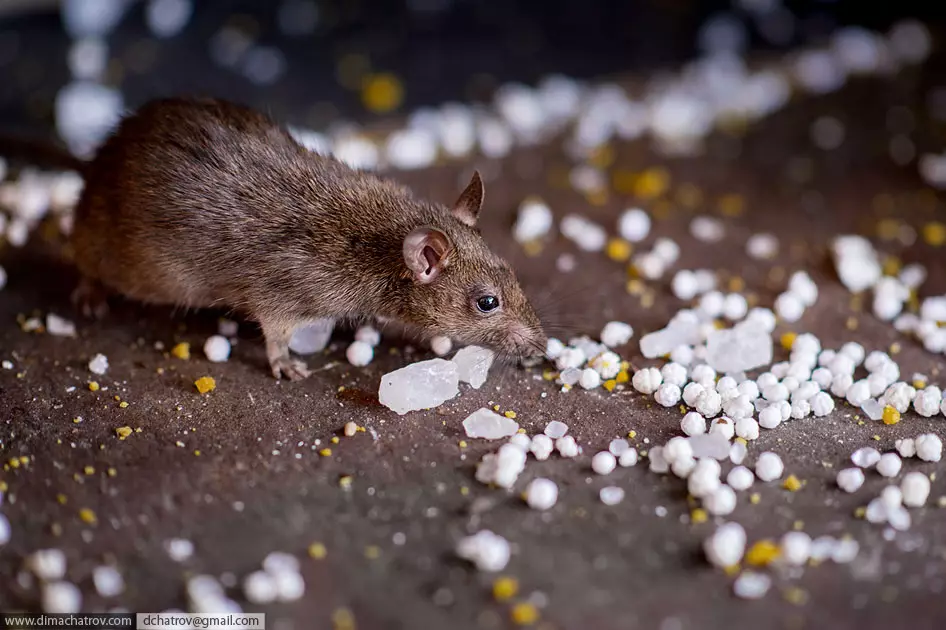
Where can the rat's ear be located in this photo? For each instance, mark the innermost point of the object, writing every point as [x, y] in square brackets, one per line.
[425, 252]
[467, 207]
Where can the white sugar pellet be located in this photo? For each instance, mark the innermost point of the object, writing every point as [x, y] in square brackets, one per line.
[217, 349]
[647, 380]
[3, 278]
[533, 221]
[5, 531]
[658, 463]
[906, 447]
[721, 501]
[770, 417]
[769, 466]
[634, 225]
[752, 585]
[684, 285]
[368, 335]
[889, 465]
[747, 428]
[667, 395]
[704, 478]
[567, 446]
[762, 246]
[677, 448]
[441, 345]
[280, 562]
[707, 229]
[61, 597]
[541, 446]
[290, 586]
[541, 494]
[521, 440]
[789, 307]
[821, 404]
[928, 401]
[259, 587]
[796, 548]
[359, 353]
[850, 479]
[803, 287]
[763, 317]
[589, 379]
[691, 393]
[724, 426]
[735, 307]
[709, 403]
[616, 334]
[554, 348]
[108, 581]
[488, 551]
[693, 424]
[98, 364]
[674, 373]
[915, 489]
[740, 478]
[556, 429]
[611, 495]
[603, 463]
[929, 447]
[726, 546]
[618, 446]
[179, 549]
[48, 565]
[628, 458]
[866, 457]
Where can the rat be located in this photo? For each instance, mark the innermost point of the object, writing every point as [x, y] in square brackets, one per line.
[200, 202]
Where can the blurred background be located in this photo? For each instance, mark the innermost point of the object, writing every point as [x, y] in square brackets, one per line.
[72, 66]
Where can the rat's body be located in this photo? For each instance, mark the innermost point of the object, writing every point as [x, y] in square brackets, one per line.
[202, 203]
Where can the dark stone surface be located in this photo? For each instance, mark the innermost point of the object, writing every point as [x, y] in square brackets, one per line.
[258, 485]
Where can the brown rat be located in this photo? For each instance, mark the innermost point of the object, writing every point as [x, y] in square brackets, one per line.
[204, 203]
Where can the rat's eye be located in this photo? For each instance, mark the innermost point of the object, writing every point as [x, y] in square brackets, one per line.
[487, 303]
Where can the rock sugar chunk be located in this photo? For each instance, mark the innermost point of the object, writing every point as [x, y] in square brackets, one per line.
[473, 364]
[421, 385]
[485, 423]
[741, 348]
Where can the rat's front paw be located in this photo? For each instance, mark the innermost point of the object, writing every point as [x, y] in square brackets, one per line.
[292, 369]
[91, 298]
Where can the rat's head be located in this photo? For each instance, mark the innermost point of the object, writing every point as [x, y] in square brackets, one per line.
[459, 288]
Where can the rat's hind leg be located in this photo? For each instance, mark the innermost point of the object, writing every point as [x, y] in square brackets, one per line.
[277, 335]
[91, 297]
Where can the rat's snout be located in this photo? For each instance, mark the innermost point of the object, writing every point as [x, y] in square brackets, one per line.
[528, 339]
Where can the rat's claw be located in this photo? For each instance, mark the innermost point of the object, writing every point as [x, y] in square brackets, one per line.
[292, 369]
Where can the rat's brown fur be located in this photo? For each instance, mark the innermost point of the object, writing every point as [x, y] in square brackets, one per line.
[202, 203]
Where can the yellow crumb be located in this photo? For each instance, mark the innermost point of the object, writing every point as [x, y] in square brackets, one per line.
[762, 553]
[891, 415]
[792, 484]
[345, 482]
[795, 595]
[93, 386]
[182, 350]
[205, 384]
[632, 434]
[335, 439]
[610, 384]
[934, 233]
[463, 444]
[123, 404]
[372, 552]
[61, 499]
[652, 183]
[510, 414]
[382, 93]
[619, 250]
[89, 470]
[895, 348]
[699, 515]
[112, 472]
[622, 377]
[860, 512]
[918, 384]
[325, 452]
[732, 205]
[317, 551]
[524, 614]
[788, 340]
[505, 588]
[755, 498]
[87, 516]
[343, 619]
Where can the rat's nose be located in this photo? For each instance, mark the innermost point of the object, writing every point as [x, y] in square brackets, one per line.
[529, 340]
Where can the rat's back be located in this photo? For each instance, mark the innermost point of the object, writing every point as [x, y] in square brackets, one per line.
[181, 197]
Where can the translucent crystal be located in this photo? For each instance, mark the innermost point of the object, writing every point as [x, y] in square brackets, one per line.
[739, 349]
[714, 445]
[311, 338]
[421, 385]
[489, 425]
[473, 364]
